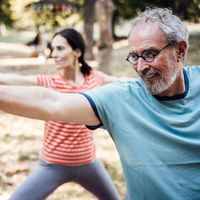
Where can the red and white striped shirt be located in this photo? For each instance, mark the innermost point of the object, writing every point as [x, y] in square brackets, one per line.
[68, 143]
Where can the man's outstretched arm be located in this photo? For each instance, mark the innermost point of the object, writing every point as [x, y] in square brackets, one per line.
[17, 79]
[45, 104]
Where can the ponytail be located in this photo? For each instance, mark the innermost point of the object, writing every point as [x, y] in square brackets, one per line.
[85, 68]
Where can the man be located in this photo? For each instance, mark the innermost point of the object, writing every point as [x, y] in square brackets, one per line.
[154, 120]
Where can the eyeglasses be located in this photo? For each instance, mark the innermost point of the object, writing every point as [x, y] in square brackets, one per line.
[147, 55]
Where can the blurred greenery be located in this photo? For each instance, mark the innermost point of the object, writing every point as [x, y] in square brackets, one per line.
[23, 14]
[186, 9]
[5, 15]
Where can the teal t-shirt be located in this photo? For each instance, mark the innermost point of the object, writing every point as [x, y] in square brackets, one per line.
[158, 140]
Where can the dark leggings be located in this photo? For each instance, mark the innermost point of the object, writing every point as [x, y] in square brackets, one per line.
[47, 177]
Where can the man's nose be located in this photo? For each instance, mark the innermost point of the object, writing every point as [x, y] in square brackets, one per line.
[141, 65]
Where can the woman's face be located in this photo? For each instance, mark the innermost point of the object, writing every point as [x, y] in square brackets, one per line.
[63, 54]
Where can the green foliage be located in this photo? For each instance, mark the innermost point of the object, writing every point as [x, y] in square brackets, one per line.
[17, 13]
[45, 14]
[5, 13]
[31, 13]
[186, 9]
[128, 9]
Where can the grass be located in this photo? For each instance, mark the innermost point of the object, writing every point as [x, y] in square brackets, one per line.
[24, 137]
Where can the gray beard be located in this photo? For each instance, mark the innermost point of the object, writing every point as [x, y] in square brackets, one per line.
[163, 84]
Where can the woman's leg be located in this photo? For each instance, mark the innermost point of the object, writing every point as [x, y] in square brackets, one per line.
[95, 179]
[42, 182]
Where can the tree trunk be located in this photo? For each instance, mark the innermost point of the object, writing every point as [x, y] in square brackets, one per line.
[2, 29]
[104, 12]
[88, 15]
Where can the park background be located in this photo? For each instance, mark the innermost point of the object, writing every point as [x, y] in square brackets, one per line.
[105, 25]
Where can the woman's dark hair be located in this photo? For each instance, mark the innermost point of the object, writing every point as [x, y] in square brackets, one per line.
[75, 40]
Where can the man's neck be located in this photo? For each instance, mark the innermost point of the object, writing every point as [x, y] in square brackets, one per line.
[177, 88]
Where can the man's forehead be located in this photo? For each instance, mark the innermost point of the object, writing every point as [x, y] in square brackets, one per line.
[145, 30]
[145, 35]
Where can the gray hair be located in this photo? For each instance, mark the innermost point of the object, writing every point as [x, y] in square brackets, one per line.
[174, 29]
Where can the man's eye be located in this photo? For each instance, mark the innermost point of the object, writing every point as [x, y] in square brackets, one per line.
[134, 56]
[150, 54]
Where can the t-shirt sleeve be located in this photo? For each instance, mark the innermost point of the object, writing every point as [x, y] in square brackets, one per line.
[95, 111]
[105, 102]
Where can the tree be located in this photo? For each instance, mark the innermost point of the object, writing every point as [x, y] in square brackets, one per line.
[104, 12]
[5, 15]
[88, 16]
[128, 9]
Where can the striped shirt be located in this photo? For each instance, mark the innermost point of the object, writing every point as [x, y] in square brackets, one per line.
[68, 143]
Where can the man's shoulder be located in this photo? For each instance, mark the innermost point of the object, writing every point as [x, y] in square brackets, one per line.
[192, 68]
[125, 85]
[117, 88]
[193, 74]
[135, 82]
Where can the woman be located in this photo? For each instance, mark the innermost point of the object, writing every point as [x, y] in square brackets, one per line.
[68, 152]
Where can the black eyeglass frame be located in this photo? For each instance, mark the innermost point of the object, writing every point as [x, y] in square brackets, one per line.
[152, 58]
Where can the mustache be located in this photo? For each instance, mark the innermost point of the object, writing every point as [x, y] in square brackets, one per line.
[149, 72]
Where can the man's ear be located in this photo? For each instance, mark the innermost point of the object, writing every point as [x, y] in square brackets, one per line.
[181, 51]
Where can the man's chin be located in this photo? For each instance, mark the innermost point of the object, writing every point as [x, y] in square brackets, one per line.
[154, 90]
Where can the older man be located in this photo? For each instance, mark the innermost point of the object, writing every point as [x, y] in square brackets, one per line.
[153, 120]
